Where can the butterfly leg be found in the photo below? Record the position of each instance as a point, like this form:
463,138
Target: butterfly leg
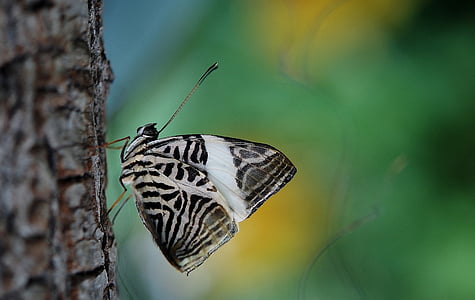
120,207
116,201
107,145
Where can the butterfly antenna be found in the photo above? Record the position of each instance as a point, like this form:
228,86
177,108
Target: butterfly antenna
193,90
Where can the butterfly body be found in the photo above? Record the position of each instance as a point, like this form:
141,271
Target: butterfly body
192,190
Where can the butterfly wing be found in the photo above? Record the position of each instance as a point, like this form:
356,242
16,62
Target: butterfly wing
191,190
187,216
245,173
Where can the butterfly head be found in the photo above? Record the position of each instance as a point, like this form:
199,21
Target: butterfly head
148,131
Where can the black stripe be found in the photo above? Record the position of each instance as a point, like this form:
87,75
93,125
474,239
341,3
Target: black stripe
168,169
185,202
195,199
245,153
173,237
202,181
212,189
194,154
150,194
189,224
192,173
196,246
180,172
184,196
152,205
187,148
147,152
154,173
158,166
158,222
177,204
139,174
176,153
260,150
140,163
167,149
283,171
168,225
204,154
145,172
179,243
158,185
198,198
239,176
205,214
237,162
168,197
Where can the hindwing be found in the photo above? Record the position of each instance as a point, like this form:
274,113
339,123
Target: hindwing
187,216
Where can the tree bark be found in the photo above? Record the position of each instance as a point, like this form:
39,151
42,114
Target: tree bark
56,241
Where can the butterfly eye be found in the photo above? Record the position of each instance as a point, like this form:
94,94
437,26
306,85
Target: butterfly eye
148,130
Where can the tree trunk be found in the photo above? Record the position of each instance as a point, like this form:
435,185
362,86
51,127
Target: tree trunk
55,237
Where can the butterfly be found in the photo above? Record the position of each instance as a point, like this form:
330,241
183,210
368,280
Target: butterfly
192,190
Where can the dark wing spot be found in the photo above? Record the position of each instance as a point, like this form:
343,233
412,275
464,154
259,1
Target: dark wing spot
247,154
201,182
177,204
204,154
212,189
168,197
187,149
192,173
152,205
180,172
237,162
194,154
150,194
168,169
158,185
259,150
176,153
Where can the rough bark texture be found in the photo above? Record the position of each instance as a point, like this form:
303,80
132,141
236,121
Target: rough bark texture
55,238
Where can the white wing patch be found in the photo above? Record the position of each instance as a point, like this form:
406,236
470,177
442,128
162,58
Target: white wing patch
222,172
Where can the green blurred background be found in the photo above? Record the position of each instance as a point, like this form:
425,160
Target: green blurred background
373,101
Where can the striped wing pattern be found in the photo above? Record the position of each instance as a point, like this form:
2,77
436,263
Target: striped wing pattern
246,173
191,190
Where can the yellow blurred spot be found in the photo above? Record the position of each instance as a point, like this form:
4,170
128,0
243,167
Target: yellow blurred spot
279,238
304,37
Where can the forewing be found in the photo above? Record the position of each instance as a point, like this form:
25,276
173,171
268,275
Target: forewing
183,210
244,172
